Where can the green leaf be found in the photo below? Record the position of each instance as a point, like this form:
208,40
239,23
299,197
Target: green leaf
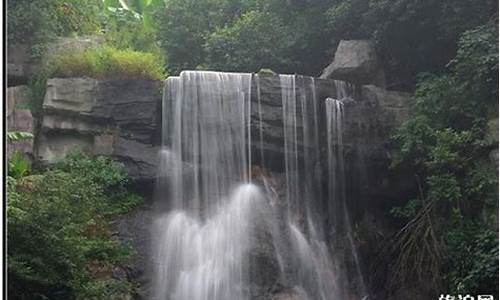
14,136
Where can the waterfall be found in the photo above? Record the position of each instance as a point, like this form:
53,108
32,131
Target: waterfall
336,180
201,238
214,211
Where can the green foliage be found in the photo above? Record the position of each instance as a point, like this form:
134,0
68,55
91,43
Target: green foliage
407,211
37,22
412,36
14,136
130,24
107,63
18,165
253,41
446,142
243,35
473,263
59,243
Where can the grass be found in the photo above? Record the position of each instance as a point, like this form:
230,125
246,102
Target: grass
107,63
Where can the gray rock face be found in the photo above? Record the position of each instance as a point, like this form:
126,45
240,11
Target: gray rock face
19,63
370,119
71,94
355,61
18,97
109,117
19,118
134,230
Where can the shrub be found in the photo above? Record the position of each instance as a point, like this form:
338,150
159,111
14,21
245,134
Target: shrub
59,242
19,166
107,63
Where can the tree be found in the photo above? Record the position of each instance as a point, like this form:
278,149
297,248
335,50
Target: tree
449,233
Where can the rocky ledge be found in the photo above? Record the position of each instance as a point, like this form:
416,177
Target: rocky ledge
109,117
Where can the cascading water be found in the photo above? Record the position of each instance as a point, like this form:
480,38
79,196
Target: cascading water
202,238
204,235
336,179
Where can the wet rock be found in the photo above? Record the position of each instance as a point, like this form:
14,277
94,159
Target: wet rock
264,270
134,230
288,295
356,61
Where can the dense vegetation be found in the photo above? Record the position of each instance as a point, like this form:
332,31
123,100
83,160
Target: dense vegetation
453,219
300,36
287,36
446,52
59,238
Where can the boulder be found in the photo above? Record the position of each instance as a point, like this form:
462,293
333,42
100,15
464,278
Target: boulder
356,61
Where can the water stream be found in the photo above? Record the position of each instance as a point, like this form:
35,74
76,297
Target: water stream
213,208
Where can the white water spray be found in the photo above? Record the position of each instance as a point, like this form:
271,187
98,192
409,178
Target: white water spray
204,233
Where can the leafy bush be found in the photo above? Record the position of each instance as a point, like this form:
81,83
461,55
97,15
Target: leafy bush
447,145
107,63
59,243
